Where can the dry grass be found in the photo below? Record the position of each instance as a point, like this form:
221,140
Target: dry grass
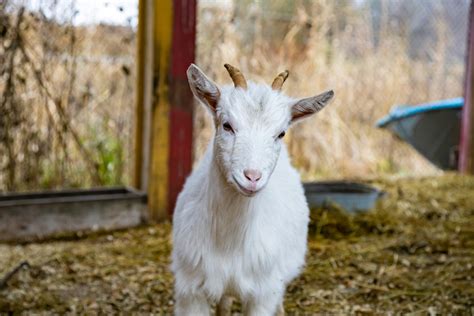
413,253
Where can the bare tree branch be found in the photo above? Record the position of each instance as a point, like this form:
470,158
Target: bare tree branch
64,119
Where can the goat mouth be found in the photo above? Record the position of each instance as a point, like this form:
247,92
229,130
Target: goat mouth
243,190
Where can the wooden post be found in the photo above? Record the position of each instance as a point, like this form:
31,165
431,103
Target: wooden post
466,152
140,60
181,98
144,94
170,115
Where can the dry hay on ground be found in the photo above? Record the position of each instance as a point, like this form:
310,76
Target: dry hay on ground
413,253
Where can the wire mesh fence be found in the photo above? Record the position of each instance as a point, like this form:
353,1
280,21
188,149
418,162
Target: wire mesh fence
67,79
67,87
373,53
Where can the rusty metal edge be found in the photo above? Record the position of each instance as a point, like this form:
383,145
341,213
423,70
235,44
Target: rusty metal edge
72,196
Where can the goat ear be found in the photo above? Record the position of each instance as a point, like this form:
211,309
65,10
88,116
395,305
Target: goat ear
203,88
307,106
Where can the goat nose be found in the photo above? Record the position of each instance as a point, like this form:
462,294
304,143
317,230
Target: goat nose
252,175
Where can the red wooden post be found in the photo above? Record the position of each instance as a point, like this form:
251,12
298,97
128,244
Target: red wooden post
181,98
171,111
167,33
466,152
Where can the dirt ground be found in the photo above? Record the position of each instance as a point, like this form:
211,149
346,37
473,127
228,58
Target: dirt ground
414,253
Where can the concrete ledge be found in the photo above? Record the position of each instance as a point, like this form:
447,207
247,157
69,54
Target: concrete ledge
33,216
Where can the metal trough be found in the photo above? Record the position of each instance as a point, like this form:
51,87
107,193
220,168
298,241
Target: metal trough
351,196
29,216
433,129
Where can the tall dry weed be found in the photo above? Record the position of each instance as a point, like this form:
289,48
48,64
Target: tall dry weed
68,94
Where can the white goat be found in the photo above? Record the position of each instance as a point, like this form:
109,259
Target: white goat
240,223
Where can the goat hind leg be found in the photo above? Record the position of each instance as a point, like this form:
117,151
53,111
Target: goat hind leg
224,307
280,310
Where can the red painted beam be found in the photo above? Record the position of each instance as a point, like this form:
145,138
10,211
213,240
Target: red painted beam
181,98
466,150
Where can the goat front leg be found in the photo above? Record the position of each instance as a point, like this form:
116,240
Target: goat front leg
268,305
196,305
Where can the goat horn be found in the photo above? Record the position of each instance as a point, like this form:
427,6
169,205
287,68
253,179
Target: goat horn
237,77
279,80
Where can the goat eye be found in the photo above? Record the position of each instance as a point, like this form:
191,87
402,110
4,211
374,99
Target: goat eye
282,134
227,127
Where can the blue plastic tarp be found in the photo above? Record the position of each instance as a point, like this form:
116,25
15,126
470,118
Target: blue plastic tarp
404,111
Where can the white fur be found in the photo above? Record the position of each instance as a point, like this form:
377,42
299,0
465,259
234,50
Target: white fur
227,242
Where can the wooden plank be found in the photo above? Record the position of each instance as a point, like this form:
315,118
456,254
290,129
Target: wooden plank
138,157
143,94
181,98
158,181
466,152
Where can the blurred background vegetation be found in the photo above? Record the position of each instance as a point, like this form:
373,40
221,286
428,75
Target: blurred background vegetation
67,85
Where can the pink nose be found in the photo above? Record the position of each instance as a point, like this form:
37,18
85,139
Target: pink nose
252,175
